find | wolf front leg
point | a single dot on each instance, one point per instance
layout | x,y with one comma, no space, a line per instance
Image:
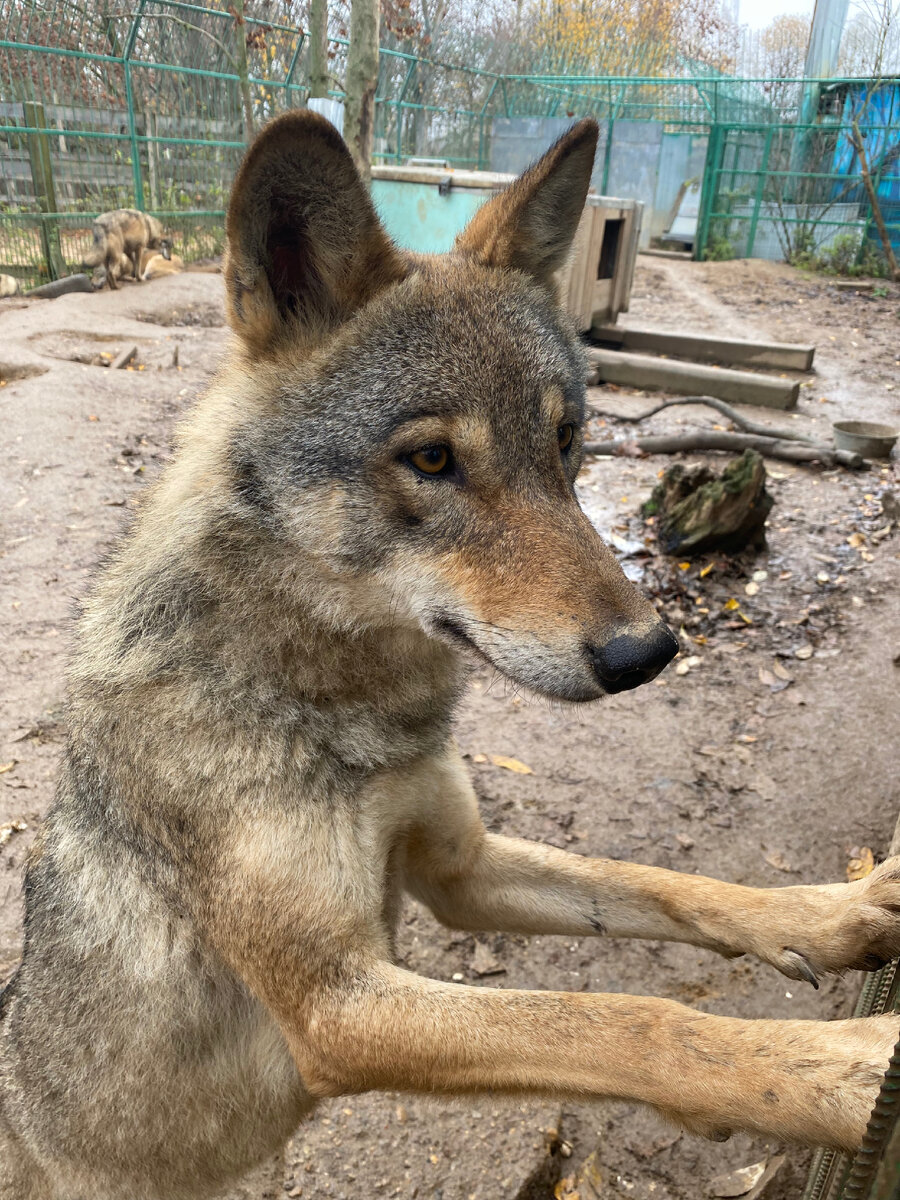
472,879
806,1081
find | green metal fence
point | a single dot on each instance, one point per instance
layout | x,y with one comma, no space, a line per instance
796,192
149,103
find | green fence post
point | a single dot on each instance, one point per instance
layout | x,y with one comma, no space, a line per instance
44,190
760,189
708,191
129,99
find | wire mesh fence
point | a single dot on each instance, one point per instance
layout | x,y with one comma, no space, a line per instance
149,104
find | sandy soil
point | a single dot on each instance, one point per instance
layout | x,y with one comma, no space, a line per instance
728,770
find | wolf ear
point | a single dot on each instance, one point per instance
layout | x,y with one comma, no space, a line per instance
530,226
305,247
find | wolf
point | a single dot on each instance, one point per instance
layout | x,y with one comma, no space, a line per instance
376,492
120,237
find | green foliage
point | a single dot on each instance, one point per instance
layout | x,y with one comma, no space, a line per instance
846,255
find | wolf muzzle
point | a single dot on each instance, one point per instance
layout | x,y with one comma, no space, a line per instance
627,661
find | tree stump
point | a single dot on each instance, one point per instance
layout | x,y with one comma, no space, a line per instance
698,510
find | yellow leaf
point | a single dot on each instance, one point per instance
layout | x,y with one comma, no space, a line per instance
861,864
4,767
511,764
706,570
731,605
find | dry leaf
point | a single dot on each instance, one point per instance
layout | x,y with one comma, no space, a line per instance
731,605
706,570
782,672
479,758
4,767
803,653
684,566
766,677
11,827
760,576
777,860
861,864
739,1182
752,588
511,764
682,668
856,540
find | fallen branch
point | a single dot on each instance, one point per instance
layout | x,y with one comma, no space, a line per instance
711,439
720,406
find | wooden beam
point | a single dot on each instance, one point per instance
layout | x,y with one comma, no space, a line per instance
691,379
779,356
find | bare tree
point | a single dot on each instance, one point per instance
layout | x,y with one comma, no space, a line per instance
362,79
319,75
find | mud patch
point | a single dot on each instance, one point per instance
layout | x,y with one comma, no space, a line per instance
11,374
206,316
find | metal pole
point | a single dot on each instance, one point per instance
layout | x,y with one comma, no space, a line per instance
129,98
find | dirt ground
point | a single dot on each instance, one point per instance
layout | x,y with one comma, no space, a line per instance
766,762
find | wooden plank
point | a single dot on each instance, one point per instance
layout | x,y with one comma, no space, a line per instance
653,252
780,356
692,379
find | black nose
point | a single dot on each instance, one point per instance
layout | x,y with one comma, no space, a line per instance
628,661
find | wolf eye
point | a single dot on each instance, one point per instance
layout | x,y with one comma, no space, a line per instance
564,435
432,460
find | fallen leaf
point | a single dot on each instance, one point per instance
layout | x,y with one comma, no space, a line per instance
861,864
855,540
731,604
4,767
823,577
682,668
782,672
760,576
479,758
511,764
684,566
706,570
752,589
803,653
484,963
739,1182
766,677
11,827
777,860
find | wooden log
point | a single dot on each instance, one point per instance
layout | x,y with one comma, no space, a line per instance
714,440
732,351
691,379
123,358
61,287
726,410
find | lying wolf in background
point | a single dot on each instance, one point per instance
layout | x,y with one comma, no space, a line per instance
121,236
378,486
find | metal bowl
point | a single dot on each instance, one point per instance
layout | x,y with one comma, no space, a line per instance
865,438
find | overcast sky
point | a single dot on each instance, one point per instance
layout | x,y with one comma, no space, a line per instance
758,13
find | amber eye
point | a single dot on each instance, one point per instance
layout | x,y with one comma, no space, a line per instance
564,436
432,460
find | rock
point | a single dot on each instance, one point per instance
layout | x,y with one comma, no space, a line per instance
699,511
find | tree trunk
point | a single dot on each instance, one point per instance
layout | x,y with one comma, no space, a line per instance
362,79
319,77
874,203
243,68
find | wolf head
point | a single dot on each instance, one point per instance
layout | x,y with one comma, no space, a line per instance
423,415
